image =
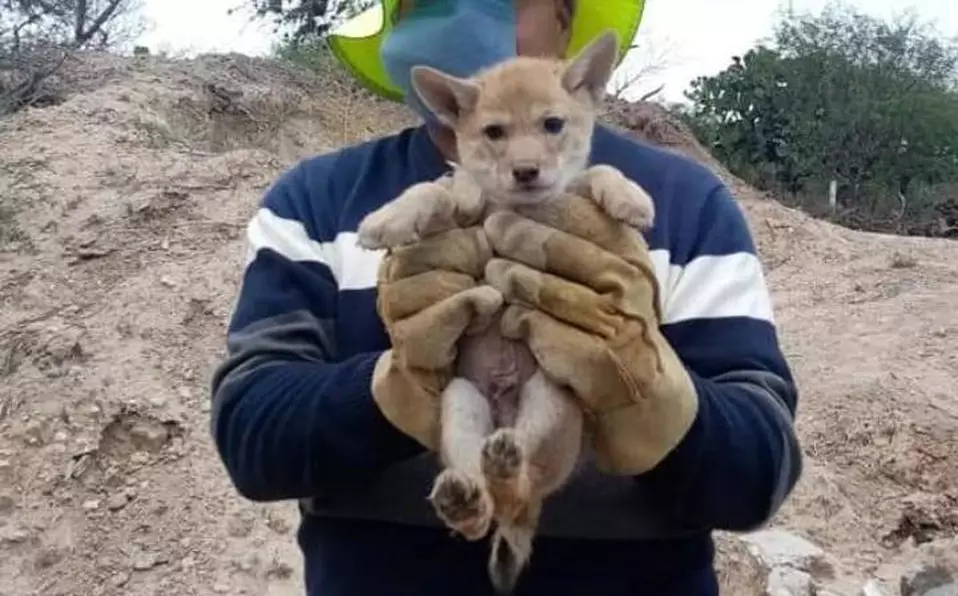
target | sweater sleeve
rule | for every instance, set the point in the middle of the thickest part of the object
(741, 458)
(288, 418)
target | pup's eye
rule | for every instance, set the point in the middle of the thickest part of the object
(494, 132)
(553, 125)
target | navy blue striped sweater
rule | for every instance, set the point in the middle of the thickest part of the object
(293, 416)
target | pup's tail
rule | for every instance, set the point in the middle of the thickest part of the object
(511, 550)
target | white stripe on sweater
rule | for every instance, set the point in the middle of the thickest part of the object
(711, 286)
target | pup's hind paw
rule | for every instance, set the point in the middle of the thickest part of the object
(503, 465)
(462, 504)
(502, 455)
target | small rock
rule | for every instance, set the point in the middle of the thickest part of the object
(144, 561)
(91, 505)
(241, 524)
(924, 577)
(139, 458)
(33, 433)
(117, 501)
(221, 588)
(778, 548)
(249, 564)
(60, 436)
(871, 588)
(48, 558)
(185, 393)
(120, 579)
(188, 563)
(278, 570)
(5, 466)
(157, 402)
(13, 535)
(167, 281)
(177, 446)
(153, 437)
(277, 523)
(784, 581)
(7, 503)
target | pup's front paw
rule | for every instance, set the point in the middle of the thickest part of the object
(621, 198)
(420, 210)
(487, 302)
(376, 233)
(462, 504)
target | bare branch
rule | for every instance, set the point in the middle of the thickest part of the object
(646, 58)
(653, 93)
(38, 36)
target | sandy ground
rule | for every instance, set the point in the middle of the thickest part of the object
(117, 279)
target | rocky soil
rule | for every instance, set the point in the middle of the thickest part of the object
(121, 218)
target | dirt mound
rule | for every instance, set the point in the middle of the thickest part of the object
(118, 271)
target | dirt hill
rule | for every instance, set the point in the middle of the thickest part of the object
(121, 218)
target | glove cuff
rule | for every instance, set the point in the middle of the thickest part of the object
(635, 438)
(408, 399)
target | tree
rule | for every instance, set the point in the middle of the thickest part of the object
(37, 36)
(305, 20)
(839, 96)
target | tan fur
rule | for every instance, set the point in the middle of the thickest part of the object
(510, 436)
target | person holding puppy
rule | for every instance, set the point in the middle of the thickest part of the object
(337, 356)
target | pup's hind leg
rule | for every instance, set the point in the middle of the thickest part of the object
(548, 431)
(505, 471)
(459, 495)
(549, 426)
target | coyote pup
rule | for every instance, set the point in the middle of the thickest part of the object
(510, 437)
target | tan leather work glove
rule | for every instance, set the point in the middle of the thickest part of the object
(583, 294)
(428, 297)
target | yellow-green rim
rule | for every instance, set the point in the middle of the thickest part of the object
(359, 54)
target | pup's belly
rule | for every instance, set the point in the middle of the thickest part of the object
(498, 367)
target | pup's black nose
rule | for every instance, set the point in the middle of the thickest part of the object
(525, 174)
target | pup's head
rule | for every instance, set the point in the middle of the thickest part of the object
(523, 127)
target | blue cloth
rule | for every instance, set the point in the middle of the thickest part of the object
(434, 33)
(293, 416)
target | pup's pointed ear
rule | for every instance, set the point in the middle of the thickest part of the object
(591, 69)
(449, 97)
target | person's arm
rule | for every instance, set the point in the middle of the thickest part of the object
(741, 458)
(288, 418)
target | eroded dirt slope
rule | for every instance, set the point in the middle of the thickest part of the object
(117, 280)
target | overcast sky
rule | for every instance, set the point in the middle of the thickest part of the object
(696, 36)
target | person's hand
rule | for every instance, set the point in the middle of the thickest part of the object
(428, 297)
(582, 293)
